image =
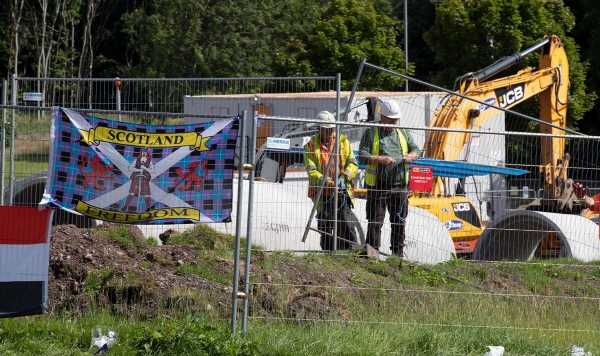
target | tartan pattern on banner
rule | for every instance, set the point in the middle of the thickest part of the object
(82, 172)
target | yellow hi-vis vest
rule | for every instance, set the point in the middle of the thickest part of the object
(312, 163)
(371, 173)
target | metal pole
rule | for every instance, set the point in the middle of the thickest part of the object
(251, 159)
(336, 162)
(3, 142)
(238, 226)
(406, 43)
(118, 94)
(90, 92)
(12, 140)
(361, 67)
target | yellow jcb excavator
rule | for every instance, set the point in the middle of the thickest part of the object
(550, 82)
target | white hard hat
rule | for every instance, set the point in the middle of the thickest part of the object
(389, 108)
(327, 118)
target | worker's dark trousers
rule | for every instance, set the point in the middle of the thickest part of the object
(396, 202)
(325, 219)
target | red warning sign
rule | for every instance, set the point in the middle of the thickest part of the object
(421, 179)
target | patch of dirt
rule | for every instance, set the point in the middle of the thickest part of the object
(499, 281)
(88, 269)
(315, 305)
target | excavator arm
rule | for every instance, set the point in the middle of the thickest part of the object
(550, 82)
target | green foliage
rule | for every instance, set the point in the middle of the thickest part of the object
(66, 335)
(406, 316)
(239, 38)
(586, 34)
(468, 35)
(191, 337)
(417, 275)
(346, 32)
(166, 37)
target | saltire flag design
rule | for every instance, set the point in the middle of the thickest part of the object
(24, 254)
(141, 174)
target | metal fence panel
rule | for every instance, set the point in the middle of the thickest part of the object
(519, 226)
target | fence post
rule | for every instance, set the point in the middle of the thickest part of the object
(12, 139)
(3, 141)
(90, 93)
(251, 159)
(336, 161)
(238, 226)
(118, 95)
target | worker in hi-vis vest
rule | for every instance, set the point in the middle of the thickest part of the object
(318, 156)
(387, 153)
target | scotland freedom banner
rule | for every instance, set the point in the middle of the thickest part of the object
(141, 174)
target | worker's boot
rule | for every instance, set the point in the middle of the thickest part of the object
(368, 251)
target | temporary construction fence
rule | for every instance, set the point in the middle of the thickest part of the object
(273, 209)
(506, 205)
(491, 209)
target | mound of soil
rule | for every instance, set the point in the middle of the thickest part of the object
(89, 269)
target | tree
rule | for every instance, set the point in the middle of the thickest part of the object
(468, 35)
(237, 37)
(421, 14)
(202, 38)
(586, 34)
(16, 15)
(291, 34)
(350, 30)
(4, 38)
(164, 37)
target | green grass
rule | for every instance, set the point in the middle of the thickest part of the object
(360, 339)
(28, 124)
(26, 168)
(66, 335)
(206, 270)
(123, 237)
(203, 237)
